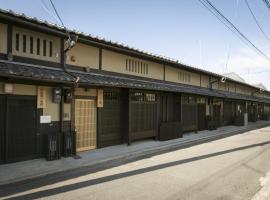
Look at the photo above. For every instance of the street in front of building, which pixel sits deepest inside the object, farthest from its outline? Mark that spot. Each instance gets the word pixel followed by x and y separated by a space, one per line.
pixel 231 168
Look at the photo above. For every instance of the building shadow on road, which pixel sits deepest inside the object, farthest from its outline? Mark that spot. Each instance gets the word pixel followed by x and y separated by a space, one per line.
pixel 37 183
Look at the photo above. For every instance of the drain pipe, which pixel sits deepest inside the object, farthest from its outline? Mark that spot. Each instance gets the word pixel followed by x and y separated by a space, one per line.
pixel 71 42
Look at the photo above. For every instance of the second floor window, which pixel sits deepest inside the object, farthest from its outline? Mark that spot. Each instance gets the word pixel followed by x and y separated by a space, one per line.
pixel 31 45
pixel 17 42
pixel 24 43
pixel 44 47
pixel 51 49
pixel 38 46
pixel 136 66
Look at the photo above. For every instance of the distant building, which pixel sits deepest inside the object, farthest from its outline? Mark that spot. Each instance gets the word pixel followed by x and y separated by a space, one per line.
pixel 234 76
pixel 261 86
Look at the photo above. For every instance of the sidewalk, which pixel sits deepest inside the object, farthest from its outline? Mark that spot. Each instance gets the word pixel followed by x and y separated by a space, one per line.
pixel 20 171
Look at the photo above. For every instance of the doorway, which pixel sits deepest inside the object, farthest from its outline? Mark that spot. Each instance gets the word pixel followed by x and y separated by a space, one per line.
pixel 21 123
pixel 86 124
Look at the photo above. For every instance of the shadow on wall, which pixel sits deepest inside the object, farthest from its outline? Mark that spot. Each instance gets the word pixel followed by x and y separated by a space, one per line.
pixel 65 176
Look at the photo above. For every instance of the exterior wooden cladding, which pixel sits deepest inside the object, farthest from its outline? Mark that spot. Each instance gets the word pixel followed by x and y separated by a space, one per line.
pixel 201 116
pixel 111 118
pixel 252 112
pixel 229 112
pixel 2 128
pixel 21 128
pixel 189 113
pixel 143 116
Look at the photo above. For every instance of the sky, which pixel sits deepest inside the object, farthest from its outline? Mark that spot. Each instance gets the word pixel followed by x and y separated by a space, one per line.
pixel 180 29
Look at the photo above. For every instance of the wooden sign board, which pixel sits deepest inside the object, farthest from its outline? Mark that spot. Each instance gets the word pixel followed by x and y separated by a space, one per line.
pixel 41 97
pixel 100 98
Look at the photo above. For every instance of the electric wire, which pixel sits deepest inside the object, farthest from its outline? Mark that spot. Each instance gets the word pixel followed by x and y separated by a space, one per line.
pixel 228 23
pixel 45 7
pixel 56 12
pixel 267 3
pixel 256 21
pixel 230 44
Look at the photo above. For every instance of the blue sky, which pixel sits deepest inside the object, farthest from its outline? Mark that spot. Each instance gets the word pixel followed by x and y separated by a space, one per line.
pixel 180 29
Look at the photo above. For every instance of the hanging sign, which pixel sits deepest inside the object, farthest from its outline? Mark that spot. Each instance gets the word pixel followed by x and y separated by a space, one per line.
pixel 100 98
pixel 41 97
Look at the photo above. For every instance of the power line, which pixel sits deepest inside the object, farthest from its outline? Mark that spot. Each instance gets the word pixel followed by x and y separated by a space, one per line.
pixel 230 44
pixel 257 22
pixel 46 8
pixel 267 3
pixel 57 14
pixel 231 26
pixel 219 18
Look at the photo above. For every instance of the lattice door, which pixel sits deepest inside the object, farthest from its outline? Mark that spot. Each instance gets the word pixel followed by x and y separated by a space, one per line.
pixel 85 123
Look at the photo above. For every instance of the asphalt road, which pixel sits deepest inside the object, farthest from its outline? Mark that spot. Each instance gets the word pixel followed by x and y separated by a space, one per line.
pixel 229 168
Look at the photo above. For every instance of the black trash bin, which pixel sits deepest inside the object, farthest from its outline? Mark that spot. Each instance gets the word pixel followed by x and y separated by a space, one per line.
pixel 53 150
pixel 69 143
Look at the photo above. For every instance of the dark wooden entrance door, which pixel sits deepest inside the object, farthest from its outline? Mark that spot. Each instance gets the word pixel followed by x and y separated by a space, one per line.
pixel 111 118
pixel 189 117
pixel 2 128
pixel 21 137
pixel 216 114
pixel 201 117
pixel 260 111
pixel 143 119
pixel 228 111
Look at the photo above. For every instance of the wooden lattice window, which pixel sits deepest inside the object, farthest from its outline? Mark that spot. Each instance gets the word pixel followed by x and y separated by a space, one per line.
pixel 85 123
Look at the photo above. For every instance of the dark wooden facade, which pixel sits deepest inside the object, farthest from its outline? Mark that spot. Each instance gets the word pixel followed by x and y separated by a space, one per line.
pixel 19 128
pixel 113 118
pixel 143 115
pixel 189 117
pixel 229 112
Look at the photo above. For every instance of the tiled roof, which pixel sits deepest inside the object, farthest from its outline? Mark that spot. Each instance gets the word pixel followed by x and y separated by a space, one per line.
pixel 47 74
pixel 23 71
pixel 98 79
pixel 113 43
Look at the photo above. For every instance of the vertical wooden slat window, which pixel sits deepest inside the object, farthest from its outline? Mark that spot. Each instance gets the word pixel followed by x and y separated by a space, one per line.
pixel 146 68
pixel 129 65
pixel 132 65
pixel 44 47
pixel 17 42
pixel 24 43
pixel 31 45
pixel 38 46
pixel 126 64
pixel 51 49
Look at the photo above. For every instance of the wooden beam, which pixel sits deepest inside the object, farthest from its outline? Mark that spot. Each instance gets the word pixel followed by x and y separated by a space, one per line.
pixel 100 59
pixel 9 38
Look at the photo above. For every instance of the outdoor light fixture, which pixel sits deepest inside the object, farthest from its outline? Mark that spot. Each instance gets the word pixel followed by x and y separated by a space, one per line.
pixel 71 42
pixel 223 79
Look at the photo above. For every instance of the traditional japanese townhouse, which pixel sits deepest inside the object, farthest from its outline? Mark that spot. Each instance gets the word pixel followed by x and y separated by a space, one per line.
pixel 102 93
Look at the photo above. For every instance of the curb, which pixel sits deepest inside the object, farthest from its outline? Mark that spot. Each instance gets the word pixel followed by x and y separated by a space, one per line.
pixel 132 156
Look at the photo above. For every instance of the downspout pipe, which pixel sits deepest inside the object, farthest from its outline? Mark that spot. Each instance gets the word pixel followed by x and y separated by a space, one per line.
pixel 75 85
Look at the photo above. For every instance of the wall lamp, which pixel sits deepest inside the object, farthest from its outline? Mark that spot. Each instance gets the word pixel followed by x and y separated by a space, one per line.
pixel 222 80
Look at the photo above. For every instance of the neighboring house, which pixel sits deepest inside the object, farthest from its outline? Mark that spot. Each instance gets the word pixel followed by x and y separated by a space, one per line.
pixel 102 93
pixel 234 76
pixel 260 85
